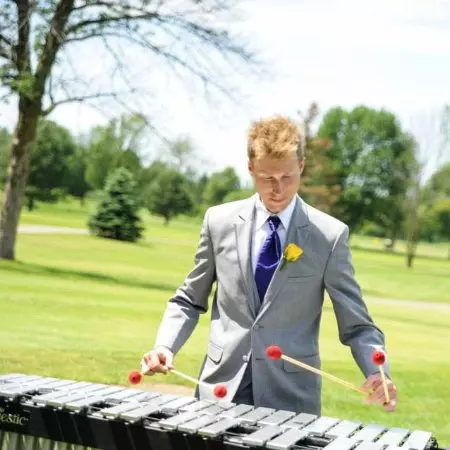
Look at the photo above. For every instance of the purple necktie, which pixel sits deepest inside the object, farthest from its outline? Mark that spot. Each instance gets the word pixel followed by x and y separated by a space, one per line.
pixel 268 258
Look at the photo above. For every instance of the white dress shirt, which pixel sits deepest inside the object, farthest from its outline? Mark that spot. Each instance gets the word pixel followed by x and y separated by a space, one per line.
pixel 261 228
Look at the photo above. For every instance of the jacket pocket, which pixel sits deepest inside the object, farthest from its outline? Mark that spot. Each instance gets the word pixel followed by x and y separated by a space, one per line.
pixel 214 352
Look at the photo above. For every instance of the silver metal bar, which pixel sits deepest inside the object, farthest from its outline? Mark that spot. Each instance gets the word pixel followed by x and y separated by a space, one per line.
pixel 217 428
pixel 11 376
pixel 299 421
pixel 260 437
pixel 19 388
pixel 139 412
pixel 161 399
pixel 286 440
pixel 67 398
pixel 343 429
pixel 108 391
pixel 142 397
pixel 277 418
pixel 341 443
pixel 216 409
pixel 75 385
pixel 417 440
pixel 123 395
pixel 43 399
pixel 237 410
pixel 197 406
pixel 114 411
pixel 92 388
pixel 393 436
pixel 321 425
pixel 369 432
pixel 369 446
pixel 172 423
pixel 175 405
pixel 59 384
pixel 194 425
pixel 256 414
pixel 83 403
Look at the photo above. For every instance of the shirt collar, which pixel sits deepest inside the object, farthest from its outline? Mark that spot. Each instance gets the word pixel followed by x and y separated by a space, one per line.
pixel 262 214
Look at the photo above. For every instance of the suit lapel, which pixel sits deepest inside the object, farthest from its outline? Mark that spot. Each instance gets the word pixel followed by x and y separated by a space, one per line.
pixel 243 231
pixel 298 234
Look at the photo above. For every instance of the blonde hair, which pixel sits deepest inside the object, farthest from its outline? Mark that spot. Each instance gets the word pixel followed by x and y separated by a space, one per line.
pixel 275 136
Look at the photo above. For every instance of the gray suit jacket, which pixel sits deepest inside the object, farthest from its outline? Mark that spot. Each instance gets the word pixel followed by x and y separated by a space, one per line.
pixel 289 316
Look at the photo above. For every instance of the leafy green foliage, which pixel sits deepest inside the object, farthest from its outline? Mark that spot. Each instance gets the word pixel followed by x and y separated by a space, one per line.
pixel 49 162
pixel 219 185
pixel 112 146
pixel 370 154
pixel 169 195
pixel 117 214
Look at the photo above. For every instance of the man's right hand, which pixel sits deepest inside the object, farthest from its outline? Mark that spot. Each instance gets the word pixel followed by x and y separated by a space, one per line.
pixel 158 360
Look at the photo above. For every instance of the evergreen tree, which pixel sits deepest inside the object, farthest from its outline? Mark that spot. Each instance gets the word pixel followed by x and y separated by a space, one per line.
pixel 117 216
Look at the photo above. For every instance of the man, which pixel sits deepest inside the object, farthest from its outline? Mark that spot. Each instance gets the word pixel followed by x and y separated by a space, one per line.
pixel 258 301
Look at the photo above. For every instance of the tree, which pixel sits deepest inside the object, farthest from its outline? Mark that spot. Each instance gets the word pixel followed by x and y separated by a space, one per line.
pixel 220 184
pixel 75 180
pixel 36 68
pixel 117 214
pixel 320 186
pixel 49 163
pixel 5 143
pixel 368 152
pixel 431 148
pixel 238 195
pixel 112 146
pixel 168 195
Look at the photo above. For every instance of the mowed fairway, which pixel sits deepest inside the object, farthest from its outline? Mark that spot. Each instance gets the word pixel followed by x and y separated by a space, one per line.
pixel 86 308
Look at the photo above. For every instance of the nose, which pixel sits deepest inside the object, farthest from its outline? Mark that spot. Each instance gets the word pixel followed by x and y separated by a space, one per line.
pixel 277 187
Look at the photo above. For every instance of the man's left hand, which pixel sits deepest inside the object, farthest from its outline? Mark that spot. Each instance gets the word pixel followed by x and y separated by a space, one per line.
pixel 374 385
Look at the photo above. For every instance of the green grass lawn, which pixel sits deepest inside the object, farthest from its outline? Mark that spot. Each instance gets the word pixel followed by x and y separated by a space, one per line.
pixel 86 308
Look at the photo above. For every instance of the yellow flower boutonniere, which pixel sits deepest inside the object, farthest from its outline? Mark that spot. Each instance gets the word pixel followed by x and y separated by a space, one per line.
pixel 291 253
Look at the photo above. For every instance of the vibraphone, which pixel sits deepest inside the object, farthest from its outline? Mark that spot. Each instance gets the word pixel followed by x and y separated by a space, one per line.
pixel 38 413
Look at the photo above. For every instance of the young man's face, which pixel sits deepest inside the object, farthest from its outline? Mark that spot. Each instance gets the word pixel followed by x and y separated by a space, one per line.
pixel 276 180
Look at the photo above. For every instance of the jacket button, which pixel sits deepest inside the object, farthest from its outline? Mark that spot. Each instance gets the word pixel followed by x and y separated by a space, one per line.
pixel 256 327
pixel 245 358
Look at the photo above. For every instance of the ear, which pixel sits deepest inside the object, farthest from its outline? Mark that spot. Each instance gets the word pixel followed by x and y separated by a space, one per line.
pixel 301 165
pixel 250 168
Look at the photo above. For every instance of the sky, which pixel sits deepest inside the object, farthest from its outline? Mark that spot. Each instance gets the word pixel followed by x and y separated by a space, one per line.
pixel 392 54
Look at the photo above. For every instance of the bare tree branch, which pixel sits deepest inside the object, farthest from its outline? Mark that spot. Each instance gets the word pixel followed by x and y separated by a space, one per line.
pixel 109 20
pixel 79 99
pixel 52 43
pixel 23 50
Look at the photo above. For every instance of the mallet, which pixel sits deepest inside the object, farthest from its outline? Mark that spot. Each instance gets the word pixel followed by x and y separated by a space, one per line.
pixel 274 352
pixel 220 390
pixel 378 358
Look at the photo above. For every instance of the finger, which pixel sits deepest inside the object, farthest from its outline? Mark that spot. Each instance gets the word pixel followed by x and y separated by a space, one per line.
pixel 155 363
pixel 169 361
pixel 390 407
pixel 146 365
pixel 377 396
pixel 371 384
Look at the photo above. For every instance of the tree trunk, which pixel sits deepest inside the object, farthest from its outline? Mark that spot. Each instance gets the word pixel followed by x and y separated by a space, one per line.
pixel 409 259
pixel 30 203
pixel 23 139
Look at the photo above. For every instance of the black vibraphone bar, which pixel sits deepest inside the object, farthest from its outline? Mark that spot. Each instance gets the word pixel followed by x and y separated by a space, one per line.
pixel 39 413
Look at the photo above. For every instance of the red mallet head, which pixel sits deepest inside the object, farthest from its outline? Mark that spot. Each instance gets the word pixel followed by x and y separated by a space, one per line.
pixel 274 352
pixel 220 391
pixel 378 357
pixel 135 377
